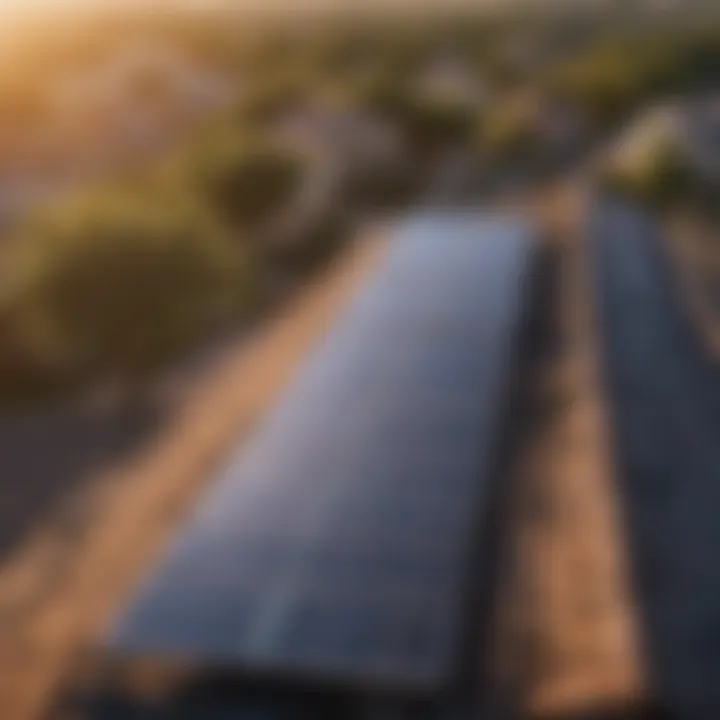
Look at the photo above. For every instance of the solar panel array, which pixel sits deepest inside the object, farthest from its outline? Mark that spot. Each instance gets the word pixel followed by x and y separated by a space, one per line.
pixel 336 544
pixel 664 393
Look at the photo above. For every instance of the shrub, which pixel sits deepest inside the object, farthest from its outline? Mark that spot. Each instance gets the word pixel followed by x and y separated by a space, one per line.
pixel 508 133
pixel 120 284
pixel 427 122
pixel 385 186
pixel 664 177
pixel 22 372
pixel 246 182
pixel 433 123
pixel 313 245
pixel 379 90
pixel 614 78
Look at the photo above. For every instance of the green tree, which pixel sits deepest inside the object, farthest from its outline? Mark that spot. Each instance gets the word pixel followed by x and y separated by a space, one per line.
pixel 663 178
pixel 508 133
pixel 246 182
pixel 120 284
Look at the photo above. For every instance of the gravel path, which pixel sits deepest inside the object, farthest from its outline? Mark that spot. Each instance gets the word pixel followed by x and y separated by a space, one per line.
pixel 570 621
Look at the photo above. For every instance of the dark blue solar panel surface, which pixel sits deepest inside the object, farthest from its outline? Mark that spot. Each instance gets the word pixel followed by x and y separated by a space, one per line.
pixel 335 544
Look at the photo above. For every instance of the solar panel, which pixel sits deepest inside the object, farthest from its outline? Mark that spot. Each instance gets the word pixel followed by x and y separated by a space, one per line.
pixel 664 392
pixel 336 543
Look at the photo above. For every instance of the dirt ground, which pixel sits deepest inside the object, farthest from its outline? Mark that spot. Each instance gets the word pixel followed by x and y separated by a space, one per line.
pixel 568 633
pixel 63 586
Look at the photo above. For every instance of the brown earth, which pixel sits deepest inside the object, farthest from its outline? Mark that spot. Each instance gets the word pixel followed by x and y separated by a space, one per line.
pixel 568 620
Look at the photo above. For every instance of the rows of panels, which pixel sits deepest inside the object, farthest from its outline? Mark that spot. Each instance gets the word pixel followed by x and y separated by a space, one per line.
pixel 664 390
pixel 336 543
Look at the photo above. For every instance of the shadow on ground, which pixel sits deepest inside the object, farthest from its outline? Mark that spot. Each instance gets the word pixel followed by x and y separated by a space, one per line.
pixel 49 455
